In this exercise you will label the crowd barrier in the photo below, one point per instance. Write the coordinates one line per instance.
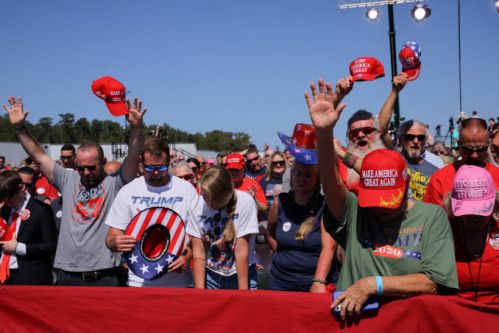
(97, 309)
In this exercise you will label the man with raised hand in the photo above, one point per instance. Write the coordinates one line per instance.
(394, 246)
(82, 257)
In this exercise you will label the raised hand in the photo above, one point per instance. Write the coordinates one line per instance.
(399, 82)
(343, 87)
(17, 116)
(135, 116)
(321, 105)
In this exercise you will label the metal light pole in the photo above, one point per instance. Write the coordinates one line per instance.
(393, 60)
(348, 4)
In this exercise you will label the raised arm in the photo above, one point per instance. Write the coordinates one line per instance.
(386, 112)
(17, 118)
(324, 117)
(135, 118)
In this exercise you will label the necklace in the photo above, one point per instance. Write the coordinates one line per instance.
(474, 284)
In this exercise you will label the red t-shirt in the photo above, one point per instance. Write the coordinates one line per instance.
(488, 283)
(249, 184)
(442, 181)
(44, 188)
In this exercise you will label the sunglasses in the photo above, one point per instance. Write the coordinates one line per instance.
(194, 169)
(65, 158)
(152, 168)
(185, 177)
(276, 163)
(366, 130)
(479, 150)
(82, 168)
(411, 137)
(254, 159)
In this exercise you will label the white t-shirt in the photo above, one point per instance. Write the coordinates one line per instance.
(136, 196)
(208, 224)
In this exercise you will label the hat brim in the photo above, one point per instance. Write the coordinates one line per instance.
(381, 198)
(468, 207)
(302, 155)
(137, 261)
(117, 109)
(412, 73)
(366, 77)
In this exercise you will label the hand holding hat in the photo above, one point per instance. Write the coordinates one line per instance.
(410, 58)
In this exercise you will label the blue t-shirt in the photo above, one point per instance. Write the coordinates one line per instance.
(294, 262)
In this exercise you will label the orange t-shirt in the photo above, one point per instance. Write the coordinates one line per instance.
(442, 181)
(249, 184)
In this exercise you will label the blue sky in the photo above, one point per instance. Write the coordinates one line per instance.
(201, 65)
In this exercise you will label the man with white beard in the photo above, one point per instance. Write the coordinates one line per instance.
(365, 131)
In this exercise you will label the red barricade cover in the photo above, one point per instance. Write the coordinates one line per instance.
(90, 309)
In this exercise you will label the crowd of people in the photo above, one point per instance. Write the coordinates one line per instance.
(386, 216)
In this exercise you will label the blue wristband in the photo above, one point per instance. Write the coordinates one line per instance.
(379, 285)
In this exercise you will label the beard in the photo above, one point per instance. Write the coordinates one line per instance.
(352, 176)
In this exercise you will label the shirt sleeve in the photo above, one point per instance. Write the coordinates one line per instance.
(338, 229)
(62, 176)
(119, 215)
(246, 222)
(193, 228)
(438, 260)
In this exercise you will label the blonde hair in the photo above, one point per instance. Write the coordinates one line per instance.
(314, 202)
(269, 163)
(217, 182)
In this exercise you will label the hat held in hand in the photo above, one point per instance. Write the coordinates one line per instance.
(113, 92)
(366, 69)
(410, 58)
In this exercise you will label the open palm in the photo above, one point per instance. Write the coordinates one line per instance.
(321, 105)
(135, 116)
(17, 116)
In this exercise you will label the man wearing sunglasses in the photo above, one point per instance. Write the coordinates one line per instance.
(473, 149)
(81, 256)
(255, 165)
(412, 136)
(156, 188)
(68, 155)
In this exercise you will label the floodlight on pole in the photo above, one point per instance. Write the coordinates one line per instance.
(373, 14)
(420, 12)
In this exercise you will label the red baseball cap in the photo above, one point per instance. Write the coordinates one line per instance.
(383, 179)
(234, 161)
(410, 58)
(366, 69)
(113, 92)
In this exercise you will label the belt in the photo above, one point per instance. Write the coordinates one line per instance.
(94, 275)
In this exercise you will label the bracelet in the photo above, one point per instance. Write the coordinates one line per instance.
(324, 282)
(349, 159)
(379, 285)
(19, 128)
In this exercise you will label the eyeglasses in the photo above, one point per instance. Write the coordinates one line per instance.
(366, 130)
(276, 163)
(478, 150)
(82, 168)
(411, 137)
(65, 158)
(185, 177)
(254, 159)
(152, 168)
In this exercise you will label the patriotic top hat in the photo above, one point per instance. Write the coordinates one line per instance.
(303, 144)
(160, 234)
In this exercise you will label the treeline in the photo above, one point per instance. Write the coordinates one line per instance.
(70, 130)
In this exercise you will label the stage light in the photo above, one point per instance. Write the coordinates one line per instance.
(420, 12)
(372, 14)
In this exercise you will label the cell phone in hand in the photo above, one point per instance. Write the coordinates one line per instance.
(371, 304)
